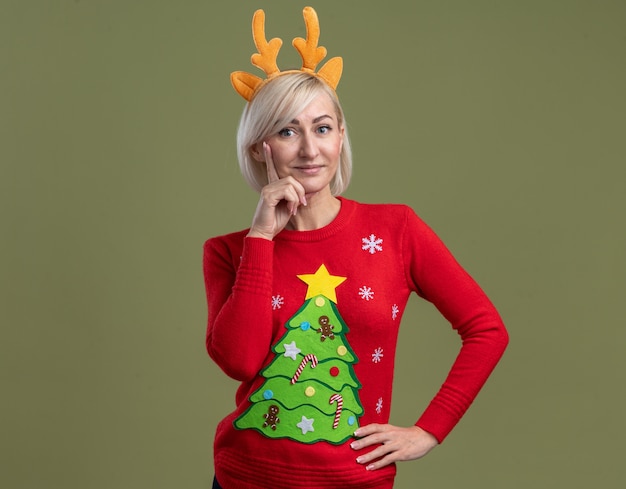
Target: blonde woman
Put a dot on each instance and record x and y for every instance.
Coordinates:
(305, 305)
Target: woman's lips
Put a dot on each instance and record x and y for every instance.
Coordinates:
(310, 170)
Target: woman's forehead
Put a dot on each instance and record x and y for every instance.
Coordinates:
(321, 107)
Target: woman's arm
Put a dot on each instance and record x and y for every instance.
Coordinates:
(434, 274)
(439, 278)
(239, 331)
(238, 289)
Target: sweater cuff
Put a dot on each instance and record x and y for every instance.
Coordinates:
(258, 252)
(437, 421)
(255, 269)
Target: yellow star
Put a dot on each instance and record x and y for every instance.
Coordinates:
(321, 282)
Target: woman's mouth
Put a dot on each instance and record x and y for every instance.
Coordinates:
(310, 169)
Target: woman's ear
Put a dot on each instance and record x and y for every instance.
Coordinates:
(257, 153)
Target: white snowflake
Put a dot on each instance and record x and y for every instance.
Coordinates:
(377, 356)
(366, 293)
(277, 302)
(372, 244)
(379, 405)
(395, 310)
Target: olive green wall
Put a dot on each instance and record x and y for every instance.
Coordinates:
(501, 122)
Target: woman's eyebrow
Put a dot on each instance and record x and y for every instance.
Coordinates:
(315, 121)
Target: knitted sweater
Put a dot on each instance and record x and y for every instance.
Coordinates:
(308, 323)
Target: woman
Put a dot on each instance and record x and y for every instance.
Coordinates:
(304, 306)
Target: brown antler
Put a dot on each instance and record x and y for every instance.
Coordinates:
(312, 54)
(246, 84)
(268, 51)
(309, 51)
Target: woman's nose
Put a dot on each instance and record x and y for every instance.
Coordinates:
(308, 147)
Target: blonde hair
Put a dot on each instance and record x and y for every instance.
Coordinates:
(274, 107)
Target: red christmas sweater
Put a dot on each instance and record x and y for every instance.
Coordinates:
(308, 323)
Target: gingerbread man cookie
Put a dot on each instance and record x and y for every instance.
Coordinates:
(271, 418)
(326, 329)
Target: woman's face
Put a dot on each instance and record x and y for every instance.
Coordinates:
(308, 148)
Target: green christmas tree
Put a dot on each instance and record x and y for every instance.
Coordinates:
(311, 391)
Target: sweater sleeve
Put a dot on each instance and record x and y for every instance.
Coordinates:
(437, 277)
(238, 290)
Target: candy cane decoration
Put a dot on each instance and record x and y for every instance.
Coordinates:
(303, 363)
(339, 399)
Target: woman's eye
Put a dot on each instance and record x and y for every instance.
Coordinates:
(286, 132)
(324, 129)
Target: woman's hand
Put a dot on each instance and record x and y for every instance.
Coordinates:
(396, 444)
(280, 200)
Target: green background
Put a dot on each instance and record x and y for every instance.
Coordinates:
(501, 122)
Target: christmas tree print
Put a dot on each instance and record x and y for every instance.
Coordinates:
(311, 391)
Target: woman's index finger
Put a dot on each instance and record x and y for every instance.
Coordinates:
(272, 174)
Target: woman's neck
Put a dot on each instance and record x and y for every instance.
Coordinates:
(320, 211)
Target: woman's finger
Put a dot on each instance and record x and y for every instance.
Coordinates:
(272, 174)
(392, 443)
(286, 189)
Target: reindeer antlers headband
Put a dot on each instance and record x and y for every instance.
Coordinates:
(247, 85)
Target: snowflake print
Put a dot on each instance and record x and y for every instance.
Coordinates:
(366, 293)
(395, 310)
(379, 405)
(372, 244)
(377, 356)
(277, 302)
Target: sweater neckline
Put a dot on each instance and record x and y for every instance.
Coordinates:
(335, 226)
